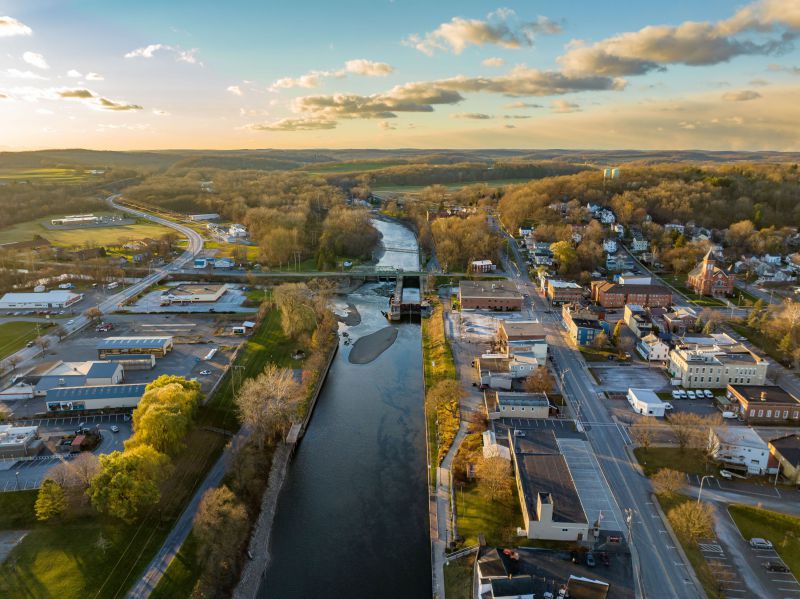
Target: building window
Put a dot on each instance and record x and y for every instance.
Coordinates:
(769, 414)
(752, 412)
(796, 415)
(760, 413)
(785, 414)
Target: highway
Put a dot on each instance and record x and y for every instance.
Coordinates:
(659, 568)
(113, 302)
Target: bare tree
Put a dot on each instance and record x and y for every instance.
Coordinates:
(93, 313)
(600, 341)
(540, 381)
(689, 429)
(267, 402)
(643, 432)
(43, 342)
(494, 477)
(668, 482)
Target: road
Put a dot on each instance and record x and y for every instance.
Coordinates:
(660, 569)
(113, 302)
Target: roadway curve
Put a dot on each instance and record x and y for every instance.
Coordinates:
(113, 302)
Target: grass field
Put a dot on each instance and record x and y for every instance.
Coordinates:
(79, 237)
(45, 175)
(14, 336)
(496, 520)
(782, 530)
(691, 461)
(679, 283)
(458, 577)
(769, 346)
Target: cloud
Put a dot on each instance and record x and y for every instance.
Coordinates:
(17, 74)
(759, 82)
(493, 62)
(562, 106)
(76, 94)
(95, 101)
(741, 96)
(780, 68)
(690, 43)
(410, 97)
(509, 126)
(478, 116)
(386, 126)
(72, 73)
(94, 77)
(520, 104)
(368, 68)
(235, 90)
(298, 124)
(107, 104)
(181, 55)
(35, 59)
(159, 112)
(3, 96)
(9, 27)
(359, 66)
(517, 116)
(501, 28)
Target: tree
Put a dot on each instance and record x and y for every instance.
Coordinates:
(44, 343)
(164, 414)
(540, 381)
(220, 527)
(600, 341)
(668, 482)
(59, 332)
(75, 476)
(692, 520)
(267, 402)
(128, 482)
(297, 312)
(50, 502)
(94, 314)
(643, 432)
(687, 429)
(13, 361)
(565, 255)
(494, 477)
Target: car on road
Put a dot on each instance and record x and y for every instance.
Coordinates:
(205, 372)
(70, 322)
(29, 344)
(575, 557)
(668, 406)
(590, 561)
(726, 475)
(691, 395)
(708, 394)
(604, 557)
(114, 428)
(775, 567)
(519, 433)
(759, 543)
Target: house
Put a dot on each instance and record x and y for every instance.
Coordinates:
(583, 331)
(237, 230)
(765, 404)
(616, 295)
(610, 246)
(482, 266)
(773, 260)
(524, 231)
(786, 450)
(489, 295)
(653, 349)
(741, 446)
(36, 301)
(716, 367)
(619, 229)
(677, 227)
(551, 507)
(560, 292)
(534, 406)
(619, 262)
(646, 402)
(680, 320)
(193, 294)
(606, 216)
(638, 320)
(709, 279)
(639, 244)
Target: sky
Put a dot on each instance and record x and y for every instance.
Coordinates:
(156, 74)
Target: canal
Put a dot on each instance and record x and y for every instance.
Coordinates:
(352, 520)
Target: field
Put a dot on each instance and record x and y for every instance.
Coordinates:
(768, 345)
(45, 175)
(782, 530)
(14, 336)
(458, 577)
(679, 283)
(690, 461)
(80, 237)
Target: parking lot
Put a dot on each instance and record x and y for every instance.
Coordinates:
(782, 584)
(231, 301)
(617, 377)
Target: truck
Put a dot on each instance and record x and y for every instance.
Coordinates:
(112, 285)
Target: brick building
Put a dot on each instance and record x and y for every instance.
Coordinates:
(616, 295)
(765, 404)
(563, 292)
(489, 295)
(709, 279)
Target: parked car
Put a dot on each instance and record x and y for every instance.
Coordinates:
(29, 344)
(676, 395)
(691, 395)
(575, 557)
(681, 393)
(519, 433)
(775, 567)
(729, 415)
(726, 475)
(668, 406)
(205, 372)
(114, 428)
(708, 394)
(604, 557)
(590, 561)
(759, 543)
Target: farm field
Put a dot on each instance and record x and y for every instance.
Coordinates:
(14, 336)
(55, 175)
(79, 237)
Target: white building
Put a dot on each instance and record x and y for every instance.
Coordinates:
(492, 449)
(628, 278)
(646, 402)
(610, 246)
(715, 367)
(741, 446)
(483, 266)
(606, 216)
(36, 301)
(237, 230)
(653, 349)
(18, 441)
(639, 244)
(192, 294)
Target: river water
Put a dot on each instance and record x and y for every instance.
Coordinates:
(352, 520)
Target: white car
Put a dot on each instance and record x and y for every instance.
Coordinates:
(691, 395)
(114, 428)
(668, 406)
(519, 433)
(759, 543)
(726, 475)
(708, 394)
(205, 372)
(681, 393)
(69, 322)
(676, 395)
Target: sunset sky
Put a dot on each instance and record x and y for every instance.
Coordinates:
(115, 74)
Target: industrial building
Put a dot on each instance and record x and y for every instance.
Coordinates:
(102, 397)
(76, 219)
(157, 346)
(19, 441)
(193, 293)
(489, 295)
(133, 361)
(59, 299)
(37, 381)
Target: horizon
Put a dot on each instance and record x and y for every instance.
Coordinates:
(721, 76)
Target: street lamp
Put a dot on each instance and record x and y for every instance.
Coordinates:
(17, 473)
(702, 480)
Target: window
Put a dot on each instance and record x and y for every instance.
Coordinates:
(769, 414)
(785, 414)
(796, 415)
(752, 412)
(760, 413)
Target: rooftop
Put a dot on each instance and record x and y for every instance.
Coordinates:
(496, 289)
(97, 392)
(788, 447)
(132, 342)
(51, 297)
(522, 329)
(102, 370)
(126, 357)
(587, 323)
(14, 435)
(191, 289)
(769, 393)
(522, 399)
(742, 436)
(563, 284)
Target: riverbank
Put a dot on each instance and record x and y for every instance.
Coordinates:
(367, 349)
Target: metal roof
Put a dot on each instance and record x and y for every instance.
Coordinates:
(98, 392)
(102, 370)
(45, 296)
(133, 342)
(125, 357)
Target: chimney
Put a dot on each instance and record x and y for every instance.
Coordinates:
(763, 396)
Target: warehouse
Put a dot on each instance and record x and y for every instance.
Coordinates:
(38, 301)
(102, 397)
(158, 346)
(190, 294)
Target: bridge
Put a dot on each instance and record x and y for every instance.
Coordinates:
(400, 250)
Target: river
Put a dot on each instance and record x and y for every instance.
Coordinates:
(352, 520)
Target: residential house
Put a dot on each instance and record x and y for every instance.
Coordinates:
(583, 331)
(679, 228)
(638, 320)
(618, 229)
(680, 320)
(483, 266)
(610, 246)
(606, 216)
(709, 279)
(619, 262)
(786, 450)
(653, 349)
(765, 404)
(639, 244)
(493, 449)
(740, 446)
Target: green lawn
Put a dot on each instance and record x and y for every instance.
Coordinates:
(79, 237)
(15, 335)
(497, 520)
(691, 461)
(696, 559)
(768, 345)
(591, 354)
(782, 530)
(678, 281)
(458, 577)
(181, 575)
(16, 510)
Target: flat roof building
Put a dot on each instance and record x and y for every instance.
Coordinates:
(715, 367)
(501, 404)
(646, 402)
(615, 295)
(133, 361)
(193, 293)
(158, 346)
(765, 404)
(560, 292)
(102, 397)
(489, 295)
(46, 299)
